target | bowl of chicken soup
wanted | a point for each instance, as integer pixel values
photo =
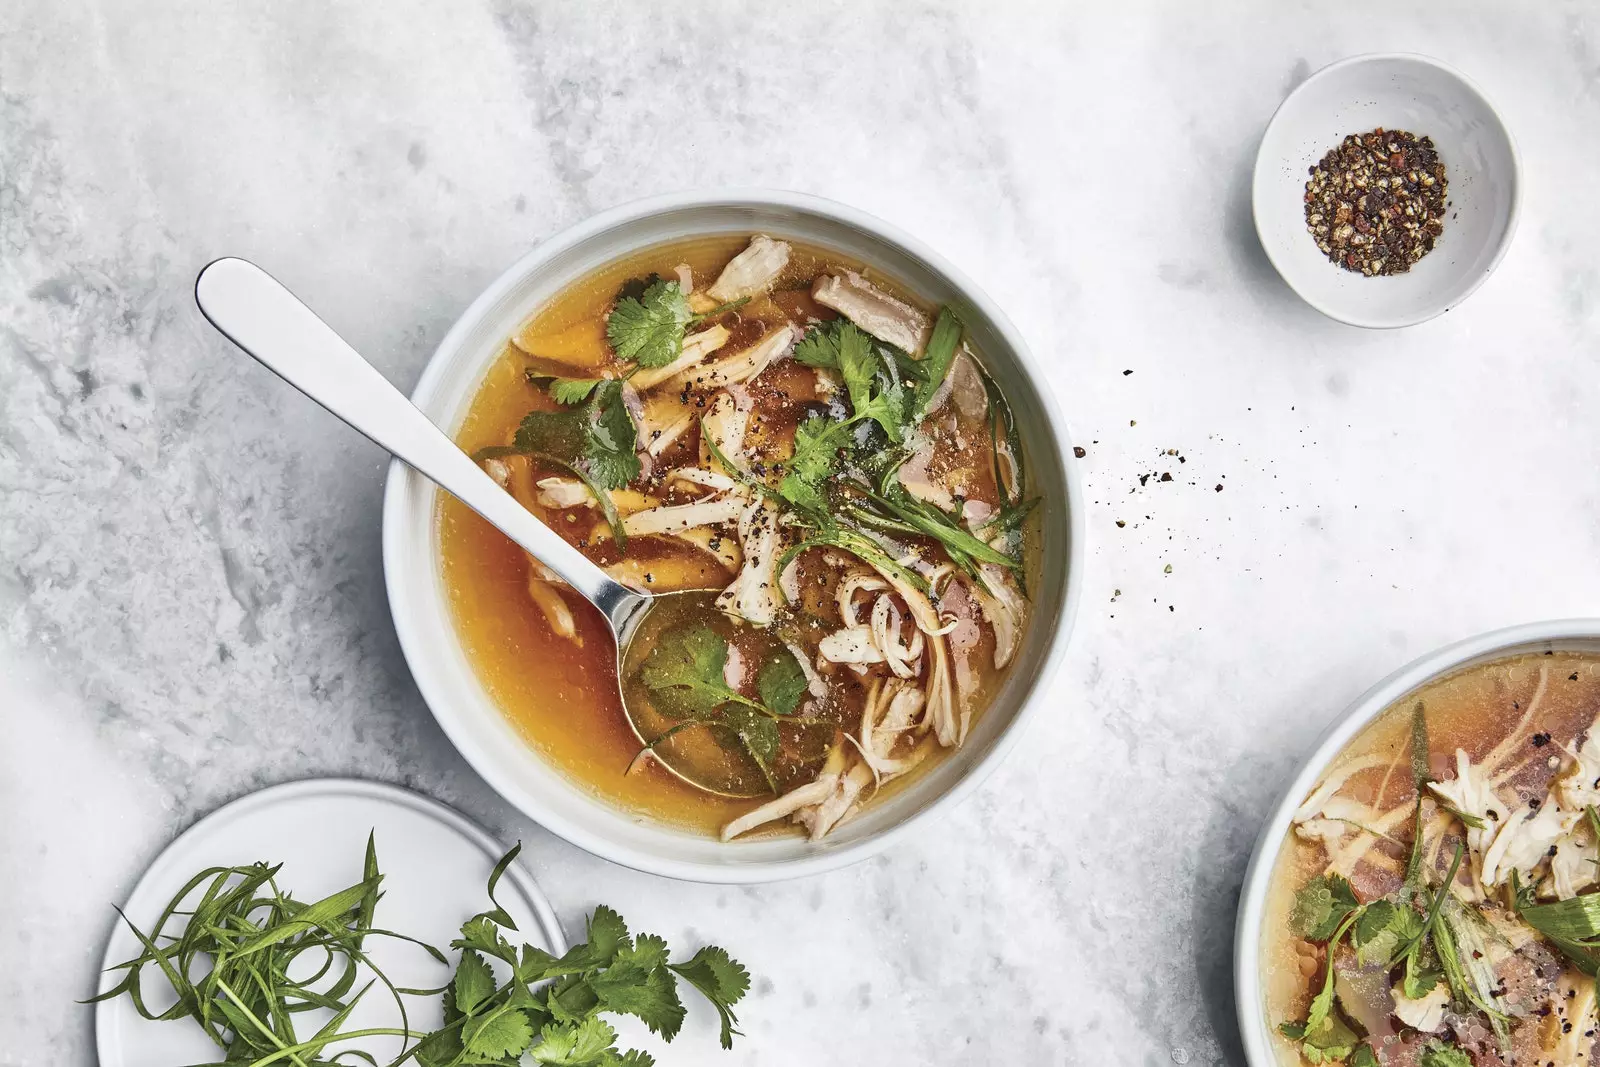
(821, 425)
(1428, 890)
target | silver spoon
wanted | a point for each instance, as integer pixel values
(254, 311)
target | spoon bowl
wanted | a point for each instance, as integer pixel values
(257, 313)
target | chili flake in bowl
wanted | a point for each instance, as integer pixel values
(1462, 200)
(1376, 204)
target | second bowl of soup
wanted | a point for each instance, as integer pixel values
(840, 441)
(1428, 894)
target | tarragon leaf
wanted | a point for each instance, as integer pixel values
(648, 330)
(937, 359)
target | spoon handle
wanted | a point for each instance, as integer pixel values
(254, 311)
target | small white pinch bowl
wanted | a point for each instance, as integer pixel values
(1256, 1030)
(1395, 91)
(469, 715)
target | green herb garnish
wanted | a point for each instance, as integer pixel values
(648, 329)
(937, 359)
(781, 683)
(1443, 1054)
(1571, 925)
(1363, 1057)
(684, 675)
(1320, 906)
(229, 968)
(571, 391)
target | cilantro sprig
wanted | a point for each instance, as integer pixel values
(230, 968)
(648, 329)
(684, 674)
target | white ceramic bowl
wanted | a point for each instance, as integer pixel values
(1402, 92)
(1255, 1029)
(465, 710)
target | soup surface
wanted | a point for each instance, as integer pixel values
(1437, 903)
(823, 455)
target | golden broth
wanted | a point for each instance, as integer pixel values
(562, 697)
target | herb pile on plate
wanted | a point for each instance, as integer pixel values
(230, 967)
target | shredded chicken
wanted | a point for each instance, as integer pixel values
(1003, 607)
(753, 596)
(913, 474)
(875, 311)
(1523, 840)
(751, 271)
(675, 518)
(1426, 1013)
(853, 644)
(813, 792)
(715, 481)
(1471, 792)
(814, 683)
(1573, 864)
(739, 367)
(696, 347)
(726, 421)
(721, 547)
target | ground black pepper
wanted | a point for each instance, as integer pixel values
(1376, 203)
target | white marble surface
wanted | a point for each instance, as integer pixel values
(190, 593)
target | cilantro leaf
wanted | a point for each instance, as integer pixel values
(584, 1044)
(474, 982)
(1441, 1054)
(684, 672)
(1363, 1057)
(759, 736)
(648, 330)
(781, 683)
(1382, 928)
(480, 933)
(1320, 906)
(819, 347)
(597, 438)
(608, 934)
(720, 979)
(498, 1035)
(571, 391)
(817, 442)
(638, 983)
(1330, 1041)
(937, 359)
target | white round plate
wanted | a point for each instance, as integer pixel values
(435, 865)
(1397, 92)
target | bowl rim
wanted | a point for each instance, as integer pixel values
(395, 536)
(1253, 1028)
(1513, 214)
